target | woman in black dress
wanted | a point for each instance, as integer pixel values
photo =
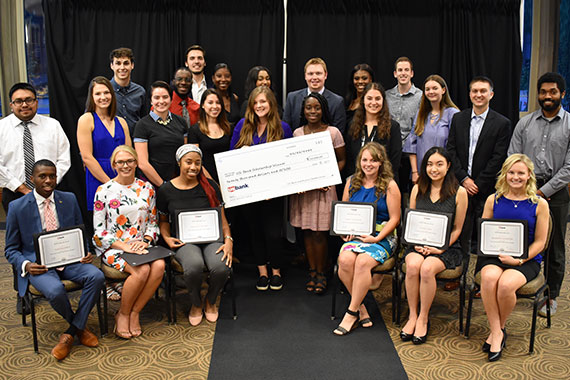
(222, 79)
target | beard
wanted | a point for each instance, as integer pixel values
(554, 105)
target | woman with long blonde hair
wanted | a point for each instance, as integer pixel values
(502, 276)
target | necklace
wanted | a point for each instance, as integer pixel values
(516, 204)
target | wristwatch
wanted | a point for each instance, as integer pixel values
(521, 261)
(147, 240)
(229, 237)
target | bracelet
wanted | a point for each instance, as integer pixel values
(413, 172)
(229, 237)
(521, 261)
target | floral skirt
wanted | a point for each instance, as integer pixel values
(380, 251)
(112, 257)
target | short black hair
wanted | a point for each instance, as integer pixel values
(182, 68)
(551, 77)
(481, 78)
(22, 86)
(44, 162)
(194, 47)
(160, 84)
(122, 52)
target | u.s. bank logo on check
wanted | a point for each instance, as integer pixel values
(231, 189)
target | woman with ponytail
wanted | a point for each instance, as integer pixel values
(192, 190)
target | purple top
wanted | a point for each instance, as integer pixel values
(434, 135)
(257, 139)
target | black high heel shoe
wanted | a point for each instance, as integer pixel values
(487, 347)
(494, 356)
(341, 331)
(421, 339)
(405, 336)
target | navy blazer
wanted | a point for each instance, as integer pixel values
(292, 111)
(490, 152)
(23, 221)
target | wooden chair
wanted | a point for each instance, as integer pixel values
(32, 295)
(536, 290)
(174, 268)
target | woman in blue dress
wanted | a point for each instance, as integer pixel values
(99, 132)
(502, 276)
(372, 182)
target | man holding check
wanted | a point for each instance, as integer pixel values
(46, 209)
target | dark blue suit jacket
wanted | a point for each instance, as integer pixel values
(23, 221)
(292, 111)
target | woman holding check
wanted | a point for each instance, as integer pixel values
(437, 190)
(124, 218)
(192, 190)
(502, 276)
(372, 182)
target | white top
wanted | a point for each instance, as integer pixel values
(475, 128)
(50, 142)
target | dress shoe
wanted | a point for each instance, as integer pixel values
(21, 306)
(494, 356)
(487, 347)
(87, 338)
(452, 285)
(405, 336)
(421, 339)
(62, 349)
(195, 321)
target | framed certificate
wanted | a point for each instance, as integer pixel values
(199, 226)
(427, 228)
(353, 218)
(60, 247)
(503, 237)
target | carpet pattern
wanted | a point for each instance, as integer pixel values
(183, 352)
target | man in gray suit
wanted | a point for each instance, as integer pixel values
(315, 76)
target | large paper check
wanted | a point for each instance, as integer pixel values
(277, 168)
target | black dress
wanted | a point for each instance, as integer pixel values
(209, 147)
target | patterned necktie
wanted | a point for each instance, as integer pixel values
(185, 113)
(49, 216)
(29, 158)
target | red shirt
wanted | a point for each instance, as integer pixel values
(192, 107)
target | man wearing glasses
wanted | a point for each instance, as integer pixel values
(182, 102)
(26, 137)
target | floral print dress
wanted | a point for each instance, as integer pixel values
(123, 212)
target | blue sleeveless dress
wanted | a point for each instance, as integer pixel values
(103, 146)
(382, 250)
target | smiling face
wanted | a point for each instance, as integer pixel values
(182, 82)
(122, 68)
(315, 76)
(222, 79)
(437, 167)
(190, 166)
(44, 179)
(369, 165)
(263, 79)
(101, 96)
(433, 91)
(373, 101)
(403, 73)
(360, 79)
(518, 176)
(480, 95)
(24, 111)
(549, 96)
(313, 111)
(195, 61)
(160, 100)
(125, 165)
(261, 106)
(212, 106)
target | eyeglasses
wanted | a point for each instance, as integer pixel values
(127, 162)
(19, 102)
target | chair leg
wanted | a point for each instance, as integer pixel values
(102, 328)
(24, 304)
(336, 281)
(34, 331)
(167, 294)
(105, 310)
(547, 293)
(394, 296)
(533, 325)
(173, 298)
(461, 304)
(232, 285)
(469, 310)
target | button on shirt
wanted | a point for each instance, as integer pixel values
(50, 143)
(130, 101)
(547, 144)
(475, 128)
(404, 107)
(198, 89)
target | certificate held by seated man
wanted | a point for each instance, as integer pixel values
(277, 168)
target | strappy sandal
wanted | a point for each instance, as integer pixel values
(321, 285)
(310, 285)
(112, 294)
(341, 331)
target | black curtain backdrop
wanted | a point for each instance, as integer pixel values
(457, 39)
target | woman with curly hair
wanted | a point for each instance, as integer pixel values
(372, 182)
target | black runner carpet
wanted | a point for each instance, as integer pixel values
(287, 334)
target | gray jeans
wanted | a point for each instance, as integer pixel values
(194, 259)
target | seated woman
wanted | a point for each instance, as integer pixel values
(437, 190)
(158, 135)
(125, 220)
(222, 80)
(311, 210)
(372, 182)
(192, 190)
(502, 276)
(212, 133)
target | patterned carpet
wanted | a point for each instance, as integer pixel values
(183, 352)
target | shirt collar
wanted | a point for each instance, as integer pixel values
(320, 92)
(483, 115)
(117, 87)
(155, 117)
(560, 114)
(202, 83)
(40, 200)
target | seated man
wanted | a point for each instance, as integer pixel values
(48, 209)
